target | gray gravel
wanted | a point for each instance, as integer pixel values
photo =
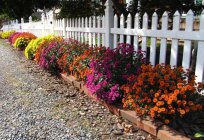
(35, 105)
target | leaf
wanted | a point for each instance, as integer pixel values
(199, 135)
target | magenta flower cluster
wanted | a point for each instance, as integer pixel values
(49, 55)
(110, 72)
(12, 35)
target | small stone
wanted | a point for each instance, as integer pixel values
(120, 126)
(140, 138)
(82, 113)
(133, 130)
(60, 92)
(85, 109)
(128, 126)
(117, 132)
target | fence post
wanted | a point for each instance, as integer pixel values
(52, 22)
(199, 71)
(108, 24)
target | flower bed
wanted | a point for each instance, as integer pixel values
(121, 76)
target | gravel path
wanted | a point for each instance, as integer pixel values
(35, 105)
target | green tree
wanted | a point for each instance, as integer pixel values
(24, 8)
(81, 8)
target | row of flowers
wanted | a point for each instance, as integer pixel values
(118, 75)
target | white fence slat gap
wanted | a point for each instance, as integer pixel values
(153, 44)
(129, 23)
(144, 27)
(98, 34)
(163, 46)
(174, 44)
(90, 35)
(199, 71)
(122, 21)
(136, 26)
(187, 43)
(115, 36)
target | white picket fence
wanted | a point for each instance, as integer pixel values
(159, 43)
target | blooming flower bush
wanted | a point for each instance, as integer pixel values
(111, 71)
(163, 93)
(32, 46)
(12, 35)
(21, 43)
(72, 51)
(80, 66)
(6, 34)
(23, 35)
(47, 53)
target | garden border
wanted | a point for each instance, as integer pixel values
(157, 129)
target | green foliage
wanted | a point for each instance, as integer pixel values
(24, 8)
(80, 8)
(199, 135)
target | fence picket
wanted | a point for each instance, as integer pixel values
(187, 43)
(144, 38)
(103, 35)
(98, 34)
(115, 39)
(122, 26)
(199, 71)
(73, 27)
(163, 45)
(67, 25)
(75, 33)
(136, 26)
(94, 34)
(70, 25)
(90, 35)
(153, 39)
(79, 33)
(174, 44)
(82, 33)
(86, 26)
(129, 23)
